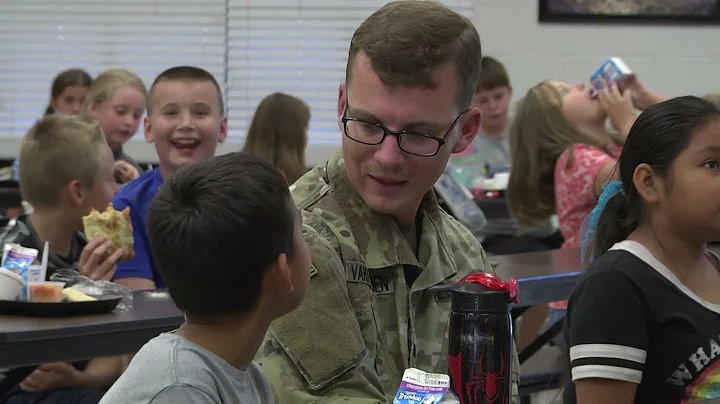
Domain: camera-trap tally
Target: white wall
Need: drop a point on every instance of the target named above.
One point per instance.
(674, 60)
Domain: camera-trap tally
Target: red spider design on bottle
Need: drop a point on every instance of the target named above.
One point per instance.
(455, 365)
(490, 383)
(487, 385)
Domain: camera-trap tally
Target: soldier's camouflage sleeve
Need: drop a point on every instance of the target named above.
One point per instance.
(316, 354)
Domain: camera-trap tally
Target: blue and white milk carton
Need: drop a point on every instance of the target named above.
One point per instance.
(418, 387)
(613, 69)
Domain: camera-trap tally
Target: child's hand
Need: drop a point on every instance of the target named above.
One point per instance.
(96, 263)
(125, 172)
(50, 376)
(641, 97)
(619, 107)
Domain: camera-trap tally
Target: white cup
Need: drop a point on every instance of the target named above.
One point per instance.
(11, 284)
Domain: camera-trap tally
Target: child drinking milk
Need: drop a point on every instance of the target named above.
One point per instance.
(643, 324)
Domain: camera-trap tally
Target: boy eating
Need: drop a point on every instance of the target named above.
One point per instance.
(228, 241)
(185, 121)
(66, 169)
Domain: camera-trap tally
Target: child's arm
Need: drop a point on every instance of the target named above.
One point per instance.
(649, 98)
(605, 173)
(100, 374)
(603, 391)
(643, 98)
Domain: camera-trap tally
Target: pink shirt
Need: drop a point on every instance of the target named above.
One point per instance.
(575, 188)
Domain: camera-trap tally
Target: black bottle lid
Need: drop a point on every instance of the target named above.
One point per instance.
(476, 298)
(480, 293)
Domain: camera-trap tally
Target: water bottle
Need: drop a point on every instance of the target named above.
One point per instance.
(460, 202)
(481, 341)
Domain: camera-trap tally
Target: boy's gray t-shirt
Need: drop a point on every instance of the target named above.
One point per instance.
(495, 150)
(171, 370)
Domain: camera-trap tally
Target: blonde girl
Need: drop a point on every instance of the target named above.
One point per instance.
(117, 100)
(563, 153)
(278, 134)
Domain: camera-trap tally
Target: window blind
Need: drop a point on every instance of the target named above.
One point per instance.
(298, 47)
(253, 47)
(39, 38)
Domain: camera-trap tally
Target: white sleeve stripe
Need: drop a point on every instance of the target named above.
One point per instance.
(607, 351)
(606, 372)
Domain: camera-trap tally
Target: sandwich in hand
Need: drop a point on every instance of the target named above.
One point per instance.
(112, 225)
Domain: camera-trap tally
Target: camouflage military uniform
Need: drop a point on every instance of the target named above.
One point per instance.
(360, 325)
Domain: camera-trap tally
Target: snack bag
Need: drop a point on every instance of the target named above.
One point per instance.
(460, 202)
(613, 70)
(18, 259)
(422, 388)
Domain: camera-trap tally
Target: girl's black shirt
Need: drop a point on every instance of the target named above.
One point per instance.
(631, 319)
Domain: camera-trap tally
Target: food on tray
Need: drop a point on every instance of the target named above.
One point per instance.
(74, 295)
(112, 225)
(46, 292)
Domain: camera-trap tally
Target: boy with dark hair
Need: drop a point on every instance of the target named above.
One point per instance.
(185, 121)
(492, 97)
(228, 241)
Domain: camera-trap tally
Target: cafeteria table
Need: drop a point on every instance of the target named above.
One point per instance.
(494, 208)
(28, 341)
(544, 276)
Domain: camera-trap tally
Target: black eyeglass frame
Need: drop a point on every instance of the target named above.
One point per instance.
(399, 133)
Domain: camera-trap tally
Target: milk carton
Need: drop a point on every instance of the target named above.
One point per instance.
(418, 387)
(612, 70)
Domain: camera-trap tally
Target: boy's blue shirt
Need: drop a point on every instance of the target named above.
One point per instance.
(137, 195)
